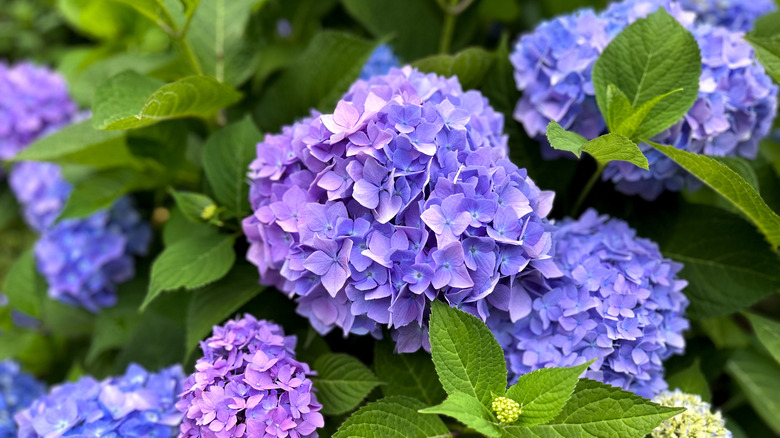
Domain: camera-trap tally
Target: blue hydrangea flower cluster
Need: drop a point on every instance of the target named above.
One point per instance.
(83, 260)
(737, 100)
(731, 14)
(248, 384)
(136, 404)
(17, 390)
(35, 101)
(403, 195)
(618, 302)
(380, 62)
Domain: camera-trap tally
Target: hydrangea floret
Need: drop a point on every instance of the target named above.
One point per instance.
(734, 111)
(619, 302)
(17, 390)
(249, 384)
(381, 60)
(403, 195)
(698, 420)
(507, 410)
(35, 102)
(136, 404)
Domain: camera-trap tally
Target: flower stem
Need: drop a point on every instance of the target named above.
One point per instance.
(586, 190)
(446, 32)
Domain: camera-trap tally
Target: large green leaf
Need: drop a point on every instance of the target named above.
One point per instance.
(130, 100)
(731, 186)
(467, 357)
(178, 227)
(765, 39)
(691, 380)
(24, 287)
(422, 24)
(652, 57)
(212, 304)
(317, 79)
(100, 189)
(543, 393)
(226, 158)
(342, 382)
(470, 66)
(727, 263)
(408, 374)
(191, 263)
(216, 37)
(768, 332)
(392, 417)
(757, 376)
(97, 18)
(469, 411)
(81, 144)
(599, 410)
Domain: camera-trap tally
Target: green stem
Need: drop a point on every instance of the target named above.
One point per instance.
(190, 14)
(189, 55)
(585, 191)
(446, 32)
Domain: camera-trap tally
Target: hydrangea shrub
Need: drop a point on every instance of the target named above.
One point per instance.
(138, 403)
(619, 302)
(402, 195)
(249, 384)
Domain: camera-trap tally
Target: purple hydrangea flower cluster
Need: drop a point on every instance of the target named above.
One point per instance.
(248, 384)
(83, 260)
(403, 195)
(136, 404)
(380, 62)
(731, 14)
(619, 302)
(737, 100)
(35, 101)
(17, 390)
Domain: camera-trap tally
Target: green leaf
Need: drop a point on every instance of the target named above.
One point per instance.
(691, 380)
(615, 147)
(757, 376)
(652, 57)
(469, 411)
(408, 374)
(609, 147)
(470, 66)
(100, 189)
(97, 18)
(24, 287)
(191, 263)
(629, 125)
(180, 228)
(212, 304)
(193, 205)
(81, 144)
(392, 417)
(342, 382)
(422, 24)
(618, 107)
(564, 140)
(543, 393)
(725, 260)
(154, 10)
(226, 158)
(765, 39)
(317, 79)
(768, 332)
(743, 168)
(724, 332)
(216, 37)
(499, 85)
(599, 410)
(130, 100)
(467, 357)
(731, 186)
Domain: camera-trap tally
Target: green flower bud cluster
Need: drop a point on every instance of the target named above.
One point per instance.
(698, 420)
(507, 410)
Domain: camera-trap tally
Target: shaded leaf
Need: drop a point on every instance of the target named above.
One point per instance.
(757, 376)
(768, 332)
(408, 374)
(342, 382)
(470, 66)
(392, 417)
